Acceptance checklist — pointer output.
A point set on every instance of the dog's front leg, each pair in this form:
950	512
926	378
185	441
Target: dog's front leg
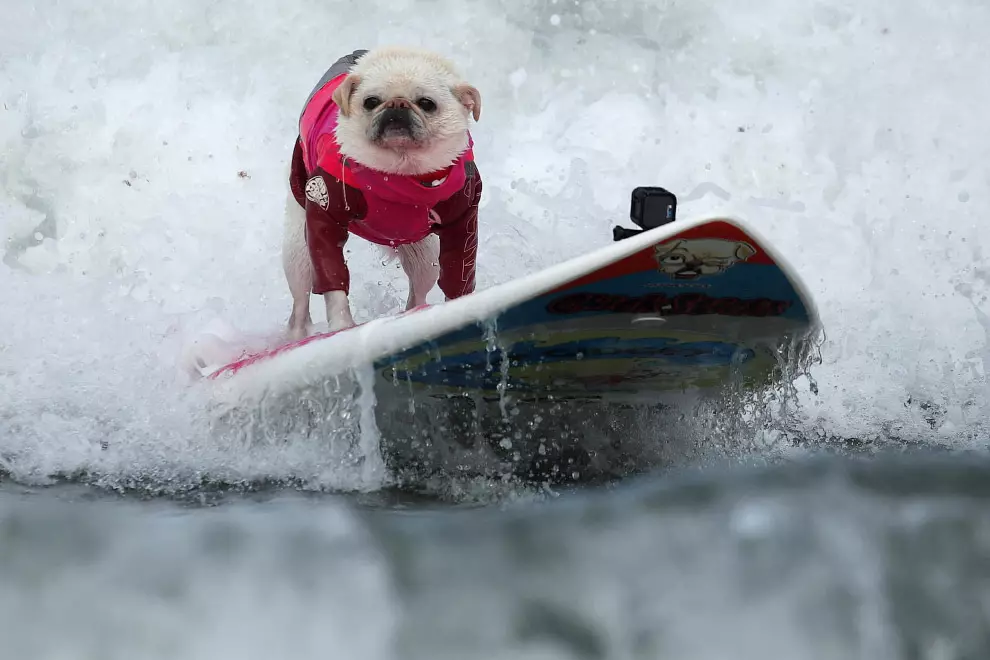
421	263
297	267
338	311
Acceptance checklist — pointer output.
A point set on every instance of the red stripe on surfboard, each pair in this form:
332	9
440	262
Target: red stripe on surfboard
234	367
643	260
239	364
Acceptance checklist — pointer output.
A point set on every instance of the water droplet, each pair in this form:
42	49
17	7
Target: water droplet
964	196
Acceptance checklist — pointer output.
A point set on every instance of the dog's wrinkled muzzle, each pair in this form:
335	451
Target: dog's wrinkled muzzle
395	121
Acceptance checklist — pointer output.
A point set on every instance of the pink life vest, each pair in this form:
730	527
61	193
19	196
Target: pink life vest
399	206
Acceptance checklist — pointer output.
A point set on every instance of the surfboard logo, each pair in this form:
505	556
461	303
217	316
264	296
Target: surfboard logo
689	259
316	192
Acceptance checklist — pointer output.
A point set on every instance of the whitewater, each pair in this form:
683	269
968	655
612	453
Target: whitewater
143	152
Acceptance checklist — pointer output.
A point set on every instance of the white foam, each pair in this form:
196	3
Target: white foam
123	132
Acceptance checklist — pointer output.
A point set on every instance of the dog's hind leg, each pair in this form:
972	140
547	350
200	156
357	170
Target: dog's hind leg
297	267
421	263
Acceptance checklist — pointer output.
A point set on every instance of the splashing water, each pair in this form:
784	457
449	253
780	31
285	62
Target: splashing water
142	181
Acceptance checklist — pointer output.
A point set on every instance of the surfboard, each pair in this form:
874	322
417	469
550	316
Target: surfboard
683	307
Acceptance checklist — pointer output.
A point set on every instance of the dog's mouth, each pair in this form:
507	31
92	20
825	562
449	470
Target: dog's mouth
393	136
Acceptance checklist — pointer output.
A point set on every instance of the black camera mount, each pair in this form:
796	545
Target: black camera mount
650	207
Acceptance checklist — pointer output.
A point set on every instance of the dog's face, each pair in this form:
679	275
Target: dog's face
691	259
404	111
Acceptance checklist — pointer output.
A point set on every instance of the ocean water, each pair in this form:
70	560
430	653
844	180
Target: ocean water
825	560
142	177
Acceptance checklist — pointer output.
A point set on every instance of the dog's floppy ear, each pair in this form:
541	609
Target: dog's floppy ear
470	98
342	95
744	251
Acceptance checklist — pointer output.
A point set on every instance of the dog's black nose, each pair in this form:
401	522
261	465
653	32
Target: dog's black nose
395	117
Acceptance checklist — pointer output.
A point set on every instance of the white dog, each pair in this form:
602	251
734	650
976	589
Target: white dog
384	153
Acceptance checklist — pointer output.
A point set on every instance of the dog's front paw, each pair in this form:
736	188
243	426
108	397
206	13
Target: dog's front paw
338	311
297	332
337	325
300	323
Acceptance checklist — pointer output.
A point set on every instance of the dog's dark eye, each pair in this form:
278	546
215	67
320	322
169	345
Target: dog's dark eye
372	102
426	104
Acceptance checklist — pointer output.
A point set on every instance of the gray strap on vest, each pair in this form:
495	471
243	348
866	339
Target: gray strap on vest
343	65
